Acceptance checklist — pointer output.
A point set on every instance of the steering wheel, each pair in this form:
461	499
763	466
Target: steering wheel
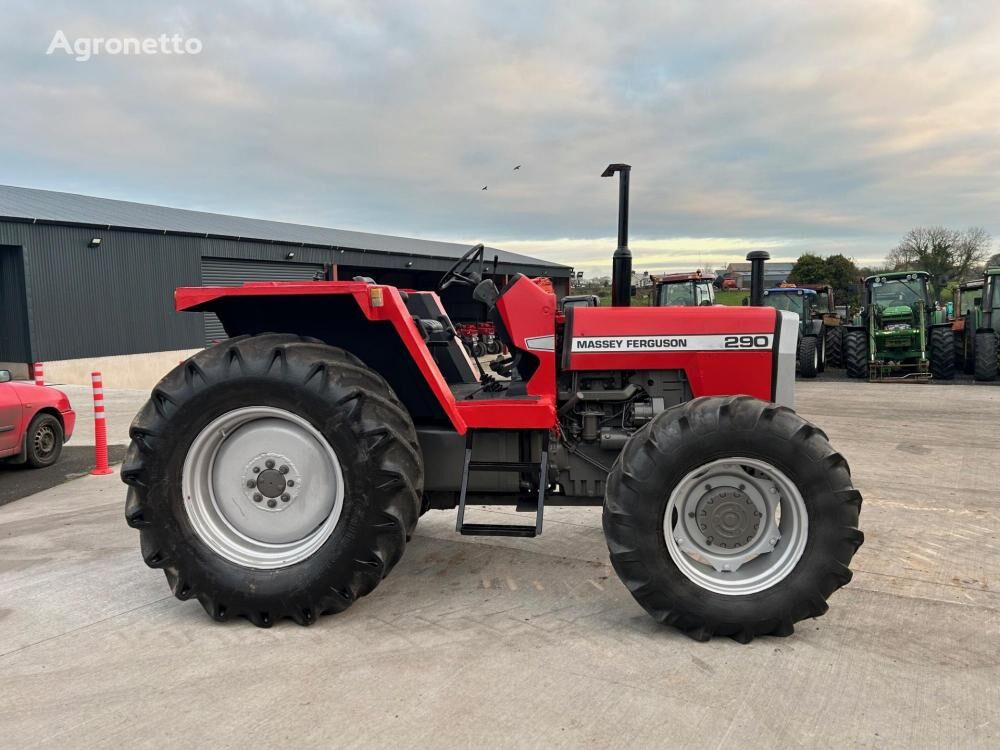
461	271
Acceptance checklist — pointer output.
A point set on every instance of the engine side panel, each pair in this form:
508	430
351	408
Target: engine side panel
721	350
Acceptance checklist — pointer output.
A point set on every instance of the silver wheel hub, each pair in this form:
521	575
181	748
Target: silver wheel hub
262	487
271	482
735	526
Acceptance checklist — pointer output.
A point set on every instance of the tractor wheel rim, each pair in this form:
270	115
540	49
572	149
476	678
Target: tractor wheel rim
262	487
44	441
736	526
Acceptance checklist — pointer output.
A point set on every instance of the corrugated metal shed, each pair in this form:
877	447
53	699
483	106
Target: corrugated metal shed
30	204
64	297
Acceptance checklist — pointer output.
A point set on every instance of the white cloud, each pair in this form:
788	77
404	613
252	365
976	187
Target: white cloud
780	125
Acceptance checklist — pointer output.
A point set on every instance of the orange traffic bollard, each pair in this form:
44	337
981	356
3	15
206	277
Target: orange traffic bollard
100	428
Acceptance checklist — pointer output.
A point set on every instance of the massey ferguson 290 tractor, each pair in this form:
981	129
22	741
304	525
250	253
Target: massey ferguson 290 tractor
280	473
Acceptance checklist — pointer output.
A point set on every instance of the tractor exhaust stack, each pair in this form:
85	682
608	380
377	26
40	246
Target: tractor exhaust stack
621	265
757	258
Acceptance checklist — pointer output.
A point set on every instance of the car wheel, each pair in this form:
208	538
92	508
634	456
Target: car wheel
43	441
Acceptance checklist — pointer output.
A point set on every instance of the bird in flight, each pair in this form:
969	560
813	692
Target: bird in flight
485	186
516	168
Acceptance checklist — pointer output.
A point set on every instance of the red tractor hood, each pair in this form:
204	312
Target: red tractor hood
723	350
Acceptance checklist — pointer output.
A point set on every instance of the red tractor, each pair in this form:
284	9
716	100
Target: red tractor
281	473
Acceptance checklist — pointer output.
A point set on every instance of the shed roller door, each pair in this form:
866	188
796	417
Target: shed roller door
234	272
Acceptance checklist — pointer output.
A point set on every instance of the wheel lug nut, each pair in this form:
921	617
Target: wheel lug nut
286	497
257	497
256	470
271	503
291	482
708	486
283	469
251	484
269	464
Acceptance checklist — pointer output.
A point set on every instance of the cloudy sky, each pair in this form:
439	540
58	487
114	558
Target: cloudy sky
789	126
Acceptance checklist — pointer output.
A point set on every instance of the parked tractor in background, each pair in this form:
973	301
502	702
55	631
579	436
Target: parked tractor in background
977	325
899	330
825	310
683	290
281	473
810	354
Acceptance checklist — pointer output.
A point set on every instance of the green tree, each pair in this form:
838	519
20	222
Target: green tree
841	273
836	270
809	269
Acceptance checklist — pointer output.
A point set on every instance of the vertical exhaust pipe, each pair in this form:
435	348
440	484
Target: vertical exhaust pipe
757	258
621	264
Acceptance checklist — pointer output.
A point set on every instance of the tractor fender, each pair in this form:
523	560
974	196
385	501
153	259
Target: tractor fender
369	321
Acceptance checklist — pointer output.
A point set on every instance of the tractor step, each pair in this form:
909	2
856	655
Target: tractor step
496	529
539	469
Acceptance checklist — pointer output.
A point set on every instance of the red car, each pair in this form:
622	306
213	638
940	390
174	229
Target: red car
35	421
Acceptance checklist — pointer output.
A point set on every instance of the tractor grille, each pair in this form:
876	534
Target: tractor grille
897	342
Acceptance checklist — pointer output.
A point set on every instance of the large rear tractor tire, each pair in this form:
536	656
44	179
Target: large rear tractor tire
732	517
834	346
942	351
809	357
856	354
986	356
273	476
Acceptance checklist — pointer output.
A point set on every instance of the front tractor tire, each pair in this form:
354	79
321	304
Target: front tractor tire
809	357
856	354
942	352
273	476
731	517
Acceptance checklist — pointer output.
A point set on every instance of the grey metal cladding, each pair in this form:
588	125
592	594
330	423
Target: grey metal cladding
116	299
31	204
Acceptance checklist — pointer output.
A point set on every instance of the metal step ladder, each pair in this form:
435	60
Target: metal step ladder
539	469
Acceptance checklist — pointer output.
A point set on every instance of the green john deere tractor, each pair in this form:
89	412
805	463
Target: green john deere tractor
977	325
899	332
811	352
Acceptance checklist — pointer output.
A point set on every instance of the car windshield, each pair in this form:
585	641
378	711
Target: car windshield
896	292
786	301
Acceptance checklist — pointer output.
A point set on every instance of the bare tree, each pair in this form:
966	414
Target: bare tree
971	248
945	254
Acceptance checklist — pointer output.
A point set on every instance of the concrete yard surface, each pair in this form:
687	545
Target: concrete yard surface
486	642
